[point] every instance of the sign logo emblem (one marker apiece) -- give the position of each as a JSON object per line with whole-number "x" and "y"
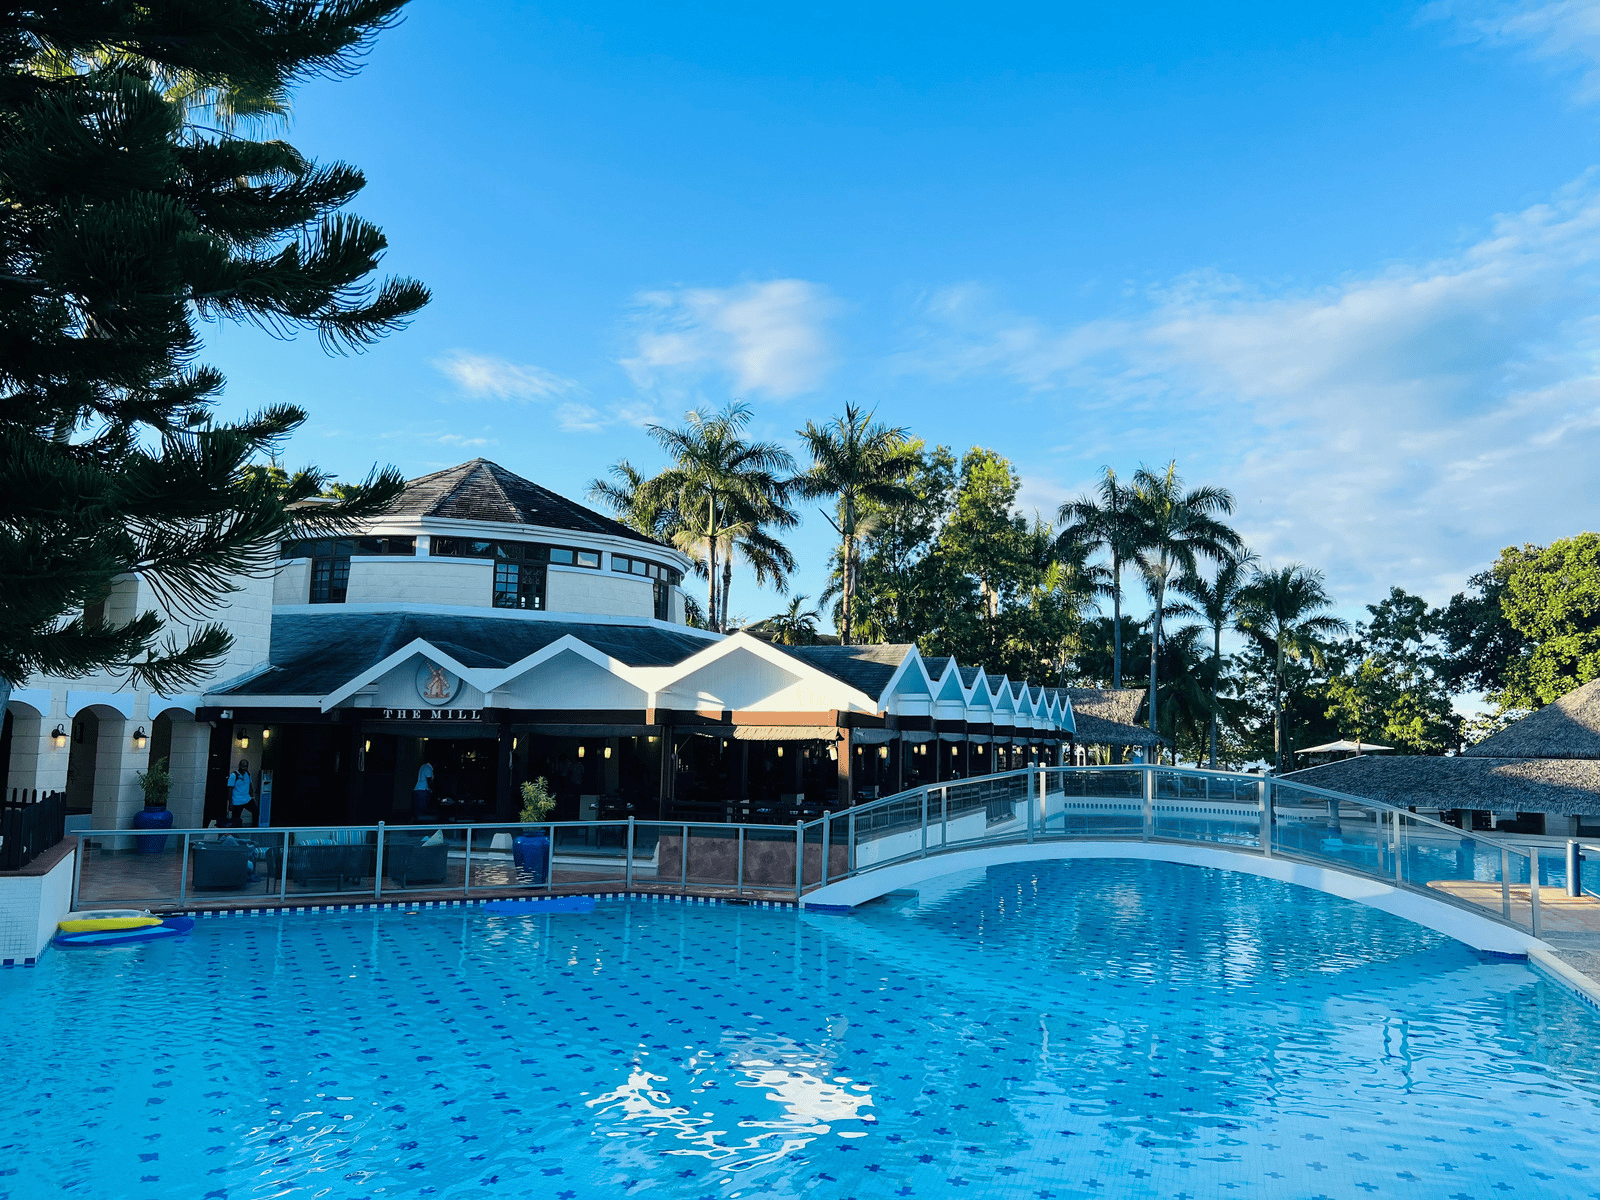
{"x": 435, "y": 684}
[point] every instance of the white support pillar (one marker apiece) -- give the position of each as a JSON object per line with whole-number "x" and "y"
{"x": 191, "y": 748}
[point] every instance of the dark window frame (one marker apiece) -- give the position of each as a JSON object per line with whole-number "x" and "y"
{"x": 643, "y": 568}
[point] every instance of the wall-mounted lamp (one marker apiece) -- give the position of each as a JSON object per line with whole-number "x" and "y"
{"x": 513, "y": 743}
{"x": 242, "y": 741}
{"x": 833, "y": 753}
{"x": 980, "y": 749}
{"x": 580, "y": 751}
{"x": 780, "y": 751}
{"x": 265, "y": 734}
{"x": 367, "y": 748}
{"x": 953, "y": 749}
{"x": 608, "y": 751}
{"x": 883, "y": 752}
{"x": 58, "y": 735}
{"x": 139, "y": 738}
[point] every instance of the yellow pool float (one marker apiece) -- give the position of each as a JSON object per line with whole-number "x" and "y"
{"x": 114, "y": 918}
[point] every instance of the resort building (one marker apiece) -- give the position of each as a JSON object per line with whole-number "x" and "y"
{"x": 497, "y": 632}
{"x": 1538, "y": 775}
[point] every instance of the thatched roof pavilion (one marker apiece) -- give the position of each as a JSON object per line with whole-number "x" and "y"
{"x": 1105, "y": 717}
{"x": 1547, "y": 762}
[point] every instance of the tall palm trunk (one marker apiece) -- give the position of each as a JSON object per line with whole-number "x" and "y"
{"x": 1116, "y": 623}
{"x": 727, "y": 584}
{"x": 1155, "y": 645}
{"x": 849, "y": 580}
{"x": 711, "y": 562}
{"x": 1216, "y": 672}
{"x": 1277, "y": 711}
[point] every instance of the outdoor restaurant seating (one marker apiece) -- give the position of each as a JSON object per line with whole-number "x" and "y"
{"x": 408, "y": 863}
{"x": 219, "y": 867}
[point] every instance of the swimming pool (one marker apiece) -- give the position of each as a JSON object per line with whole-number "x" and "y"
{"x": 1047, "y": 1031}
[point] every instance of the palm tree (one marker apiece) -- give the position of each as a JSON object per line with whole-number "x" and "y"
{"x": 1176, "y": 529}
{"x": 770, "y": 560}
{"x": 794, "y": 626}
{"x": 626, "y": 495}
{"x": 1283, "y": 611}
{"x": 864, "y": 465}
{"x": 1217, "y": 601}
{"x": 719, "y": 483}
{"x": 1105, "y": 520}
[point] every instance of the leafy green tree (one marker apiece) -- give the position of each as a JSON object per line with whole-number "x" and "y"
{"x": 1105, "y": 520}
{"x": 864, "y": 466}
{"x": 1177, "y": 528}
{"x": 1553, "y": 600}
{"x": 135, "y": 207}
{"x": 1482, "y": 642}
{"x": 1285, "y": 614}
{"x": 719, "y": 486}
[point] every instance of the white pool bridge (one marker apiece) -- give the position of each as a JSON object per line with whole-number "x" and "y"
{"x": 1480, "y": 888}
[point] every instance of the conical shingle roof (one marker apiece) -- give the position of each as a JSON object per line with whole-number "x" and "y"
{"x": 481, "y": 490}
{"x": 1568, "y": 728}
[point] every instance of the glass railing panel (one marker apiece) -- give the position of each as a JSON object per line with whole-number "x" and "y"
{"x": 1404, "y": 849}
{"x": 1187, "y": 809}
{"x": 713, "y": 859}
{"x": 504, "y": 857}
{"x": 769, "y": 861}
{"x": 321, "y": 864}
{"x": 122, "y": 871}
{"x": 1094, "y": 802}
{"x": 589, "y": 854}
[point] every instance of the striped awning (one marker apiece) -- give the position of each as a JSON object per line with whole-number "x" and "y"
{"x": 785, "y": 733}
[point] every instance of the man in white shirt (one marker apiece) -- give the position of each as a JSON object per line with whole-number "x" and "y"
{"x": 421, "y": 793}
{"x": 238, "y": 793}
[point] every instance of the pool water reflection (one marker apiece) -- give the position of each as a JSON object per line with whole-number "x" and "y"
{"x": 1053, "y": 1030}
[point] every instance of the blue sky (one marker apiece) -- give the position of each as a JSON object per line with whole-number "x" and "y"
{"x": 1339, "y": 258}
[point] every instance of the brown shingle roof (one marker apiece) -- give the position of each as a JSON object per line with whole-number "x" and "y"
{"x": 484, "y": 491}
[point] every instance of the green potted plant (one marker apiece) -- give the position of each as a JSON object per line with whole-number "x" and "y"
{"x": 156, "y": 784}
{"x": 531, "y": 851}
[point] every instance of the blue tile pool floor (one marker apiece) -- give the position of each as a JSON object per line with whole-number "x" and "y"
{"x": 1040, "y": 1032}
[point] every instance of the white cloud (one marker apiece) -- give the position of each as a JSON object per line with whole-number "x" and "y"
{"x": 1566, "y": 32}
{"x": 1396, "y": 428}
{"x": 769, "y": 337}
{"x": 574, "y": 417}
{"x": 484, "y": 376}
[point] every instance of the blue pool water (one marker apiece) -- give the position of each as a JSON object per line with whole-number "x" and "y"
{"x": 1047, "y": 1031}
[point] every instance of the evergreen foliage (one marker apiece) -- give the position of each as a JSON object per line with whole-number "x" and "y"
{"x": 134, "y": 209}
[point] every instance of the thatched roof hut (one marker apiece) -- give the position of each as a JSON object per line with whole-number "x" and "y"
{"x": 1548, "y": 762}
{"x": 1105, "y": 717}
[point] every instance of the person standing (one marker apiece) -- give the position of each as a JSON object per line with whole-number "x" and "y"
{"x": 422, "y": 793}
{"x": 238, "y": 793}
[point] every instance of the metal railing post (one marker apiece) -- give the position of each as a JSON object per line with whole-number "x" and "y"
{"x": 377, "y": 873}
{"x": 627, "y": 873}
{"x": 550, "y": 861}
{"x": 1574, "y": 869}
{"x": 1505, "y": 883}
{"x": 77, "y": 868}
{"x": 466, "y": 868}
{"x": 850, "y": 849}
{"x": 925, "y": 822}
{"x": 183, "y": 872}
{"x": 827, "y": 843}
{"x": 738, "y": 887}
{"x": 1264, "y": 799}
{"x": 1149, "y": 802}
{"x": 799, "y": 859}
{"x": 1044, "y": 801}
{"x": 1399, "y": 854}
{"x": 683, "y": 859}
{"x": 944, "y": 817}
{"x": 1533, "y": 886}
{"x": 283, "y": 869}
{"x": 1028, "y": 801}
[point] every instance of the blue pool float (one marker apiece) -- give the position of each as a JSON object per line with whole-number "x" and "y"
{"x": 170, "y": 927}
{"x": 532, "y": 908}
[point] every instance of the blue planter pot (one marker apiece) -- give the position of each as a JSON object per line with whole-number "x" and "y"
{"x": 531, "y": 852}
{"x": 152, "y": 818}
